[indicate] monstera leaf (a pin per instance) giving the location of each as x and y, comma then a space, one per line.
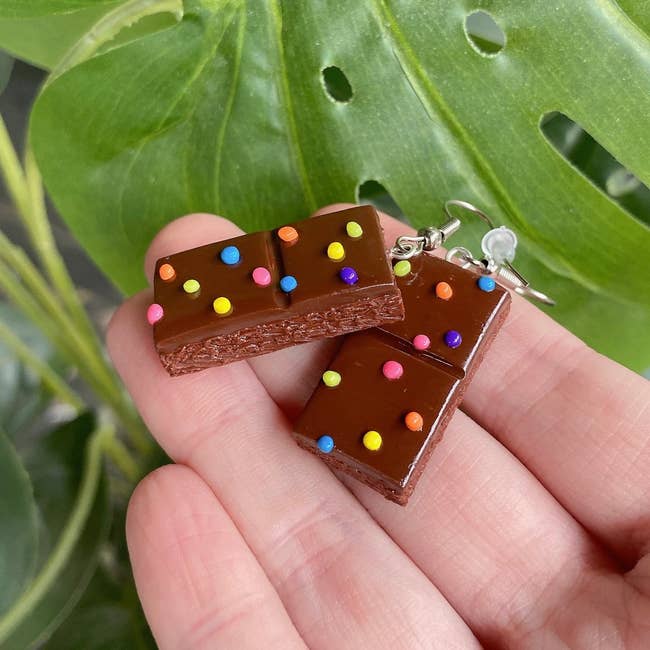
262, 111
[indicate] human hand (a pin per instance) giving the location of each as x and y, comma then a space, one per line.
530, 526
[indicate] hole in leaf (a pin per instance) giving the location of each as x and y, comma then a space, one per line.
589, 157
484, 34
376, 194
336, 84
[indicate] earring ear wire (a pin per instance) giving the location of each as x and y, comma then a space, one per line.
498, 245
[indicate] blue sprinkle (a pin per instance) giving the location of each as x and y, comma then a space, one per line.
230, 255
288, 283
326, 444
486, 284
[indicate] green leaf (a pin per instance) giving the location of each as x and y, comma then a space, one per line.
227, 112
44, 39
22, 395
638, 12
19, 529
30, 8
67, 472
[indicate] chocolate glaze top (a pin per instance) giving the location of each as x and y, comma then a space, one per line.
366, 401
190, 317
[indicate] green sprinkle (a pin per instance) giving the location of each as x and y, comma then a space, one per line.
191, 286
331, 378
353, 229
402, 268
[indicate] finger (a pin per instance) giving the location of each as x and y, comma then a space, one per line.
199, 584
319, 548
579, 421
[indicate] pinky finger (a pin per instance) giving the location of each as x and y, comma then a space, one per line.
199, 583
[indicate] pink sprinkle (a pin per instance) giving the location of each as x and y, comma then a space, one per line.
421, 342
261, 276
392, 370
154, 313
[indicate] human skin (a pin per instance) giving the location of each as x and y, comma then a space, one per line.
530, 527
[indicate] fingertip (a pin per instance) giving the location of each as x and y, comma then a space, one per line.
149, 505
187, 232
333, 207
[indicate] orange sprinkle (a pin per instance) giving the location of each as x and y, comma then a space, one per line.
444, 291
413, 421
288, 234
166, 272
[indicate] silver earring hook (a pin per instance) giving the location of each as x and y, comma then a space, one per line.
498, 245
427, 239
470, 208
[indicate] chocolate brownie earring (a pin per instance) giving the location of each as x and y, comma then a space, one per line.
388, 394
265, 291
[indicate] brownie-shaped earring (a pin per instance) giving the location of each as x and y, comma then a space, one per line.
388, 394
265, 291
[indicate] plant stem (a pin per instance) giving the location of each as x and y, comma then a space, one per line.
61, 331
26, 192
40, 232
12, 171
50, 378
69, 537
64, 316
119, 454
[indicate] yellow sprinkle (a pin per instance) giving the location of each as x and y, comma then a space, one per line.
335, 251
191, 286
331, 378
372, 440
222, 306
353, 229
402, 268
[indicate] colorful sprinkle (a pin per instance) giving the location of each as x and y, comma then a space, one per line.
486, 284
261, 276
413, 421
331, 378
154, 313
230, 255
191, 286
288, 234
325, 444
349, 275
421, 342
222, 306
288, 283
166, 272
335, 251
392, 370
453, 338
372, 440
353, 229
402, 268
444, 291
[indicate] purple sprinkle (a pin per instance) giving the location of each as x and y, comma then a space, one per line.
348, 275
453, 338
